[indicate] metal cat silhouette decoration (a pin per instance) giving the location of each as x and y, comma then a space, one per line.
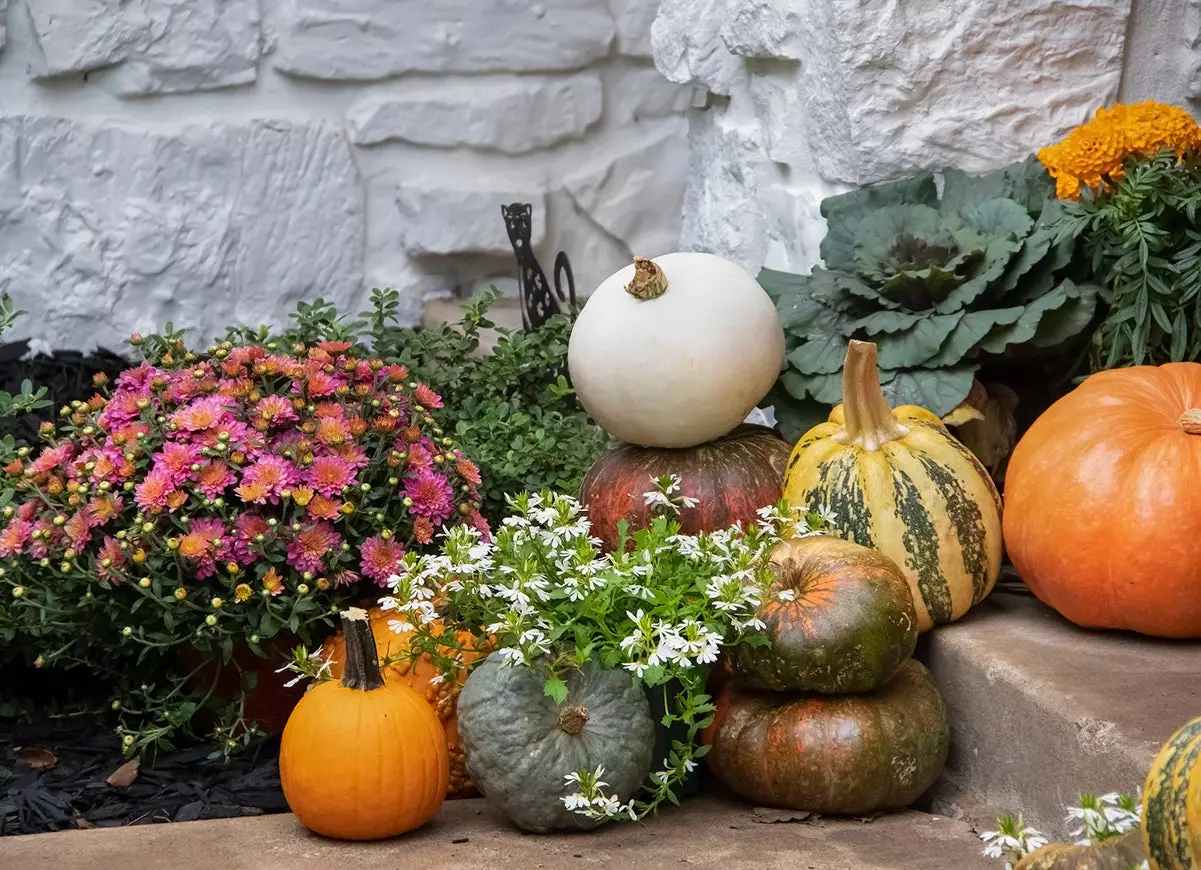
539, 301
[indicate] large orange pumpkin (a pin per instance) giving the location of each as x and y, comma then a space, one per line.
363, 759
418, 674
1103, 502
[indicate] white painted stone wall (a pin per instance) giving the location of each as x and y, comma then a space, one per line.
211, 162
807, 98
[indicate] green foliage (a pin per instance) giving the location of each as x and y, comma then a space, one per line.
512, 411
938, 282
1144, 245
25, 402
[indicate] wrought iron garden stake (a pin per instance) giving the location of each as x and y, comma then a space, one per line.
539, 302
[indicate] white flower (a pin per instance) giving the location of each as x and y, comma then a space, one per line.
399, 626
575, 802
828, 516
638, 668
512, 657
786, 595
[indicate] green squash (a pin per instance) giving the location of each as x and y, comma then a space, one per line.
850, 623
1172, 803
521, 745
832, 754
1120, 853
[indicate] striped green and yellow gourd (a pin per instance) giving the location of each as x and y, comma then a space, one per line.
898, 481
1172, 803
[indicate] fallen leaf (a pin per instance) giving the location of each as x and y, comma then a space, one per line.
36, 758
124, 775
767, 816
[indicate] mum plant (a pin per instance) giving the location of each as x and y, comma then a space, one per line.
939, 280
544, 594
219, 501
1131, 181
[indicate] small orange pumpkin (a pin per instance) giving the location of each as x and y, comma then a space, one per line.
363, 759
419, 674
1103, 502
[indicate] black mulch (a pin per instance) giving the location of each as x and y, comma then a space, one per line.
72, 792
66, 375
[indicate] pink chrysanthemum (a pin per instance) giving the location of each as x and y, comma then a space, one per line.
177, 459
206, 413
112, 553
154, 491
352, 454
214, 478
48, 536
78, 529
249, 527
14, 537
468, 470
432, 495
426, 397
308, 548
269, 475
121, 410
421, 454
53, 457
137, 379
476, 520
105, 508
321, 384
275, 410
380, 558
328, 474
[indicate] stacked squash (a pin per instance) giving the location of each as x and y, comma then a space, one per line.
669, 356
832, 715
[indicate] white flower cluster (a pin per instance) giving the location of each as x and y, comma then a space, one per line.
1095, 819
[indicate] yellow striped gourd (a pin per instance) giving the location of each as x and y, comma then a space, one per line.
1172, 803
898, 481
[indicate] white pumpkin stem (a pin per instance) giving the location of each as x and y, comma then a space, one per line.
870, 423
649, 282
1190, 421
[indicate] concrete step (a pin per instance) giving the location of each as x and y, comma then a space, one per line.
705, 833
1042, 710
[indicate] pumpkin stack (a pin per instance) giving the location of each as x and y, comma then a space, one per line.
832, 715
669, 356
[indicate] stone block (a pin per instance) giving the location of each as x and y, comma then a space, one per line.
439, 219
372, 39
637, 92
3, 22
634, 19
156, 46
108, 230
513, 114
688, 48
621, 191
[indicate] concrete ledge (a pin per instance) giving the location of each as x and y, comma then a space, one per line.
1042, 710
707, 833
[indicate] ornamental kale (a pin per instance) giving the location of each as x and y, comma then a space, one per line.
938, 282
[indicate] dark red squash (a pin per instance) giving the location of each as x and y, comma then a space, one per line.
731, 478
850, 624
832, 754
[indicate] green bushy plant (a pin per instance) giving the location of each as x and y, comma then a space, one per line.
26, 401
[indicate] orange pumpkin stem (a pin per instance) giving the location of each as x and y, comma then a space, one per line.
362, 663
649, 281
870, 423
1190, 421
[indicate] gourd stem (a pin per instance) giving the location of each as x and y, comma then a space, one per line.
572, 720
1190, 421
649, 282
870, 423
361, 670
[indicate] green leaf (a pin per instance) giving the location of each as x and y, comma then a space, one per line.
971, 330
556, 689
844, 212
939, 391
916, 345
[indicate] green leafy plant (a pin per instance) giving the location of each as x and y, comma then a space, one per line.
511, 406
541, 592
26, 401
1142, 239
1094, 820
938, 281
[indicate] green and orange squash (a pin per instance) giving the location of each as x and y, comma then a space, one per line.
899, 482
832, 754
839, 618
1172, 803
730, 478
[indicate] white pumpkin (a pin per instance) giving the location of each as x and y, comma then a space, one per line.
675, 351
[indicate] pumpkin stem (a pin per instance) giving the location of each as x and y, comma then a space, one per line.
362, 663
1190, 421
870, 423
572, 720
649, 281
